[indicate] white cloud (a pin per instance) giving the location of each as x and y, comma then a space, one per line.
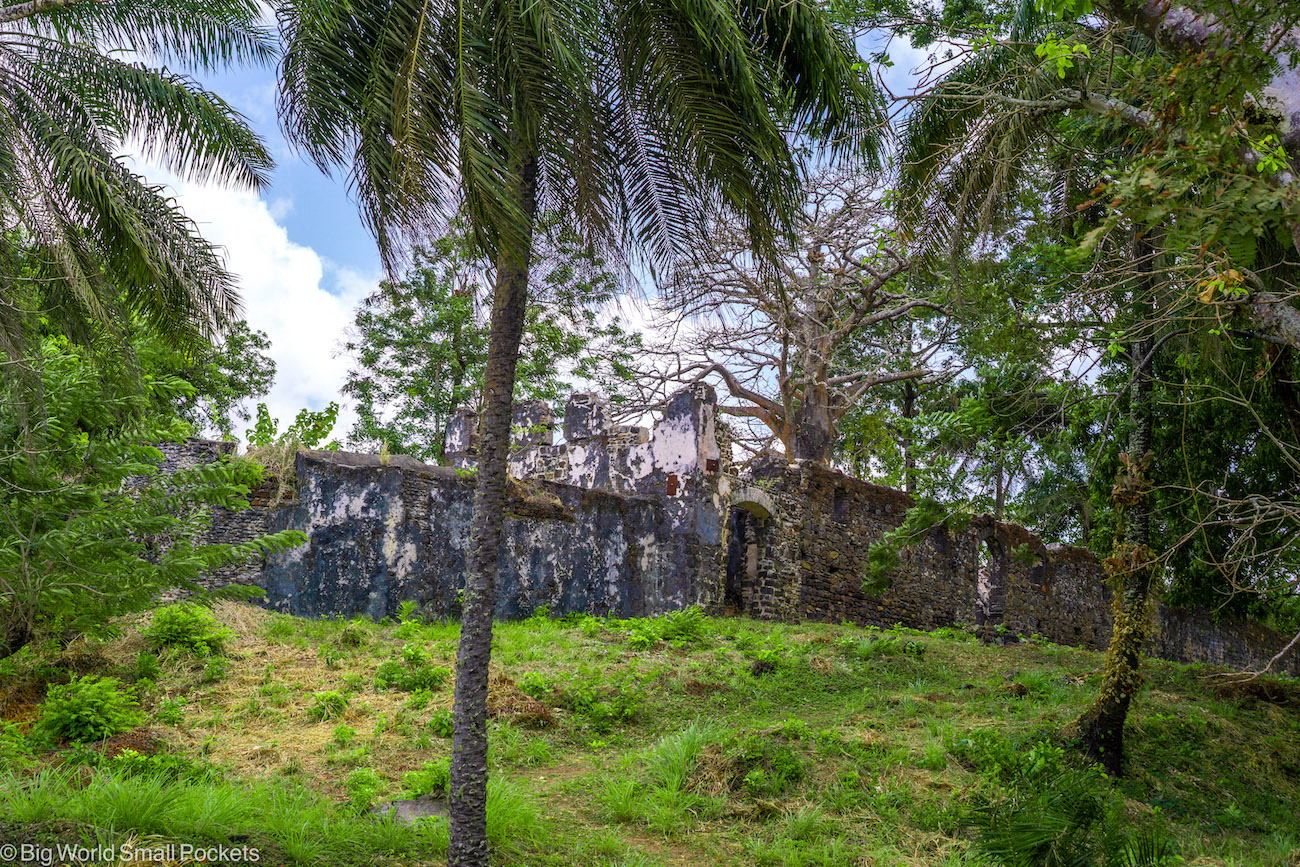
280, 208
291, 292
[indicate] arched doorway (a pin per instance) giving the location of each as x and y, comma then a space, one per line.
747, 524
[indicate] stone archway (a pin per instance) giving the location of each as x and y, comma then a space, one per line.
748, 524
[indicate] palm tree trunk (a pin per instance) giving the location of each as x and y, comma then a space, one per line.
1101, 727
468, 790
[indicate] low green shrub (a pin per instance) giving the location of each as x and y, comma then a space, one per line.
187, 626
602, 707
537, 685
329, 704
876, 643
441, 723
14, 749
763, 766
414, 671
685, 627
146, 666
164, 765
89, 708
432, 778
363, 787
1065, 817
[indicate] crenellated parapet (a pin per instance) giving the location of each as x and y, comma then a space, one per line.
687, 445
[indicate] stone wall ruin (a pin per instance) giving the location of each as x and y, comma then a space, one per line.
627, 521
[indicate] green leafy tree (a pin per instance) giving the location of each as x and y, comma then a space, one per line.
226, 375
307, 430
87, 242
419, 345
983, 137
91, 527
640, 119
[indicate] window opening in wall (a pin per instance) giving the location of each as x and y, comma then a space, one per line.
840, 506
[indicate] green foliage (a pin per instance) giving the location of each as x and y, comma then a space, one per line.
308, 428
94, 529
536, 684
1056, 817
432, 778
876, 643
442, 723
276, 453
344, 734
363, 786
764, 765
215, 669
409, 612
14, 748
171, 712
91, 249
604, 702
88, 708
421, 343
685, 627
413, 671
189, 627
165, 766
146, 666
884, 555
225, 375
327, 705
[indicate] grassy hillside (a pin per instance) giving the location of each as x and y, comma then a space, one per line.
681, 740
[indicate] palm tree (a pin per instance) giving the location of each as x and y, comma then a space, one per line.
83, 240
636, 118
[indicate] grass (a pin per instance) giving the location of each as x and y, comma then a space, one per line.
656, 742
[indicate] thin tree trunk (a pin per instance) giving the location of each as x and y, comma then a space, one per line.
469, 845
999, 492
909, 456
1101, 727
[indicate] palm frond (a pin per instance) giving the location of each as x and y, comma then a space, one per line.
97, 242
203, 34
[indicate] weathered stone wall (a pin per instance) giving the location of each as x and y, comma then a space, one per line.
678, 466
231, 528
380, 533
1192, 635
832, 519
193, 453
802, 555
627, 521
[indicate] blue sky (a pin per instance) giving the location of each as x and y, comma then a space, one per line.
302, 256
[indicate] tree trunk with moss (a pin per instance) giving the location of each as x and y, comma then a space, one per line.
468, 787
1131, 567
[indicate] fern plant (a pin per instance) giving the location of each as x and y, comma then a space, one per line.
88, 709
